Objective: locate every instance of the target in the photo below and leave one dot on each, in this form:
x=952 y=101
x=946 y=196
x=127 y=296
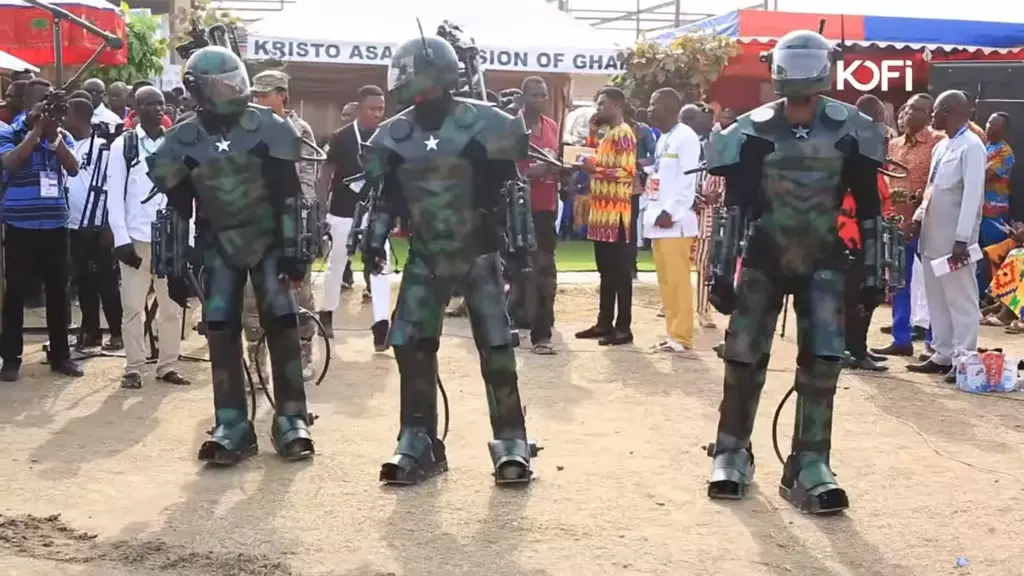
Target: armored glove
x=178 y=290
x=723 y=295
x=374 y=259
x=294 y=268
x=127 y=255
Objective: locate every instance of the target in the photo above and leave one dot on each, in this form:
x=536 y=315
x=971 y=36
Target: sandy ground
x=620 y=486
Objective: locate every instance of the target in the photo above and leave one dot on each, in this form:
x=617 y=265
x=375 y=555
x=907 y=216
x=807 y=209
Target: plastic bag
x=970 y=374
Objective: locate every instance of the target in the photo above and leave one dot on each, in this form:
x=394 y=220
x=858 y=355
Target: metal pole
x=679 y=13
x=58 y=52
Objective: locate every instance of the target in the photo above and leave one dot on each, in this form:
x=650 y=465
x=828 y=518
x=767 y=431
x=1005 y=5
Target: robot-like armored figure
x=444 y=166
x=787 y=166
x=237 y=163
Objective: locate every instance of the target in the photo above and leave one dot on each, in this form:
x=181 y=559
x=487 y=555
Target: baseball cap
x=269 y=81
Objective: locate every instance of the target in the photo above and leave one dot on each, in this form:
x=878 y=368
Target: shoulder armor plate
x=504 y=136
x=836 y=112
x=465 y=116
x=400 y=129
x=187 y=133
x=282 y=139
x=723 y=149
x=250 y=120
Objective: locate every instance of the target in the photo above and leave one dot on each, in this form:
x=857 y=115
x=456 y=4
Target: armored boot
x=807 y=480
x=510 y=450
x=732 y=470
x=290 y=431
x=233 y=438
x=420 y=454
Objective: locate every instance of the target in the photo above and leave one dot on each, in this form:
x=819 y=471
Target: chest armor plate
x=802 y=182
x=437 y=183
x=233 y=197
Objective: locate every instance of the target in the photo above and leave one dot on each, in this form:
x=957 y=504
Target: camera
x=107 y=132
x=509 y=100
x=55 y=105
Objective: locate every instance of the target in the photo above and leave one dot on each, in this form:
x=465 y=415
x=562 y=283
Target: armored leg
x=253 y=332
x=807 y=480
x=747 y=348
x=510 y=450
x=415 y=333
x=279 y=318
x=233 y=437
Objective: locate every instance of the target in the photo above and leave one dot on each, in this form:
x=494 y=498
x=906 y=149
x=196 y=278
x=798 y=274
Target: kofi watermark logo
x=866 y=76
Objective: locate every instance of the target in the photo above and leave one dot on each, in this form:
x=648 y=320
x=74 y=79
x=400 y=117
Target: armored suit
x=237 y=163
x=784 y=185
x=443 y=164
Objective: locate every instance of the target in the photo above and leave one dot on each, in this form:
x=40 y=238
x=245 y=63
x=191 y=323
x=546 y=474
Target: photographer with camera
x=36 y=153
x=92 y=259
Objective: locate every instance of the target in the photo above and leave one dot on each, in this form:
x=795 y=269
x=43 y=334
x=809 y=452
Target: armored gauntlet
x=296 y=253
x=883 y=248
x=519 y=232
x=170 y=254
x=728 y=238
x=375 y=234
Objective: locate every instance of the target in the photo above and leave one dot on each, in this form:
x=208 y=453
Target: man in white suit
x=949 y=219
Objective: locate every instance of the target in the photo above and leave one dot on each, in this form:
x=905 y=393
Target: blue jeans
x=902 y=330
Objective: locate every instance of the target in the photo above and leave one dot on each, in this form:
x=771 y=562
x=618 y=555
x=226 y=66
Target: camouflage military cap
x=269 y=81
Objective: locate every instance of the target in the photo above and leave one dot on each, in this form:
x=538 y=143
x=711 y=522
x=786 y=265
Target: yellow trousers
x=672 y=263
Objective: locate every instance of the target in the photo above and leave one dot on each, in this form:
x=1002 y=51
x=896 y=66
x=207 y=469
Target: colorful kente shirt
x=611 y=187
x=997 y=180
x=848 y=226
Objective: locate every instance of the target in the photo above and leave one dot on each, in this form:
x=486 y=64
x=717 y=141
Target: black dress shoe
x=950 y=377
x=593 y=333
x=616 y=338
x=929 y=367
x=918 y=334
x=895 y=350
x=327 y=321
x=887 y=330
x=877 y=357
x=67 y=367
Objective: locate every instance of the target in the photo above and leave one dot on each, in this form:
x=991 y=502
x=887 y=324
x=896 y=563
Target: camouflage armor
x=785 y=184
x=237 y=163
x=447 y=184
x=304 y=294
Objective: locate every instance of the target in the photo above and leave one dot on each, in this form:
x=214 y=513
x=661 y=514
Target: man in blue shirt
x=37 y=157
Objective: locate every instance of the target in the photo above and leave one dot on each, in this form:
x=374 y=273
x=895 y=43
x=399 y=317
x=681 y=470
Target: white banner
x=528 y=60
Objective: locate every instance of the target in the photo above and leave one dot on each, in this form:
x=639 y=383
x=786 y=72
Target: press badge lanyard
x=935 y=167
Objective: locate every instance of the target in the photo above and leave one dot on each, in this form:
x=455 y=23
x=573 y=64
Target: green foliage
x=207 y=15
x=145 y=51
x=690 y=64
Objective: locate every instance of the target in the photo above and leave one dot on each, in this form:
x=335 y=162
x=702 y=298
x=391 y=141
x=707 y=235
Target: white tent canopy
x=8 y=62
x=533 y=37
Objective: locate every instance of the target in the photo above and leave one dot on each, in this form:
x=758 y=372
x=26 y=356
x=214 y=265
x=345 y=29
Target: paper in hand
x=945 y=265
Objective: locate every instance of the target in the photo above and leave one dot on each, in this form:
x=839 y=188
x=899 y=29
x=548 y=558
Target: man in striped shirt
x=37 y=158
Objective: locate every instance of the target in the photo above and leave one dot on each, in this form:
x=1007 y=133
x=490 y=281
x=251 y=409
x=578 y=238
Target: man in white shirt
x=131 y=222
x=949 y=220
x=669 y=219
x=100 y=114
x=93 y=267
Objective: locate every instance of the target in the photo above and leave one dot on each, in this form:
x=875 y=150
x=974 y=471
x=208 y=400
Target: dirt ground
x=103 y=481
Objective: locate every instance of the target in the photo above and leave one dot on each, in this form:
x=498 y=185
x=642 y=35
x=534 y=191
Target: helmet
x=801 y=64
x=217 y=80
x=420 y=66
